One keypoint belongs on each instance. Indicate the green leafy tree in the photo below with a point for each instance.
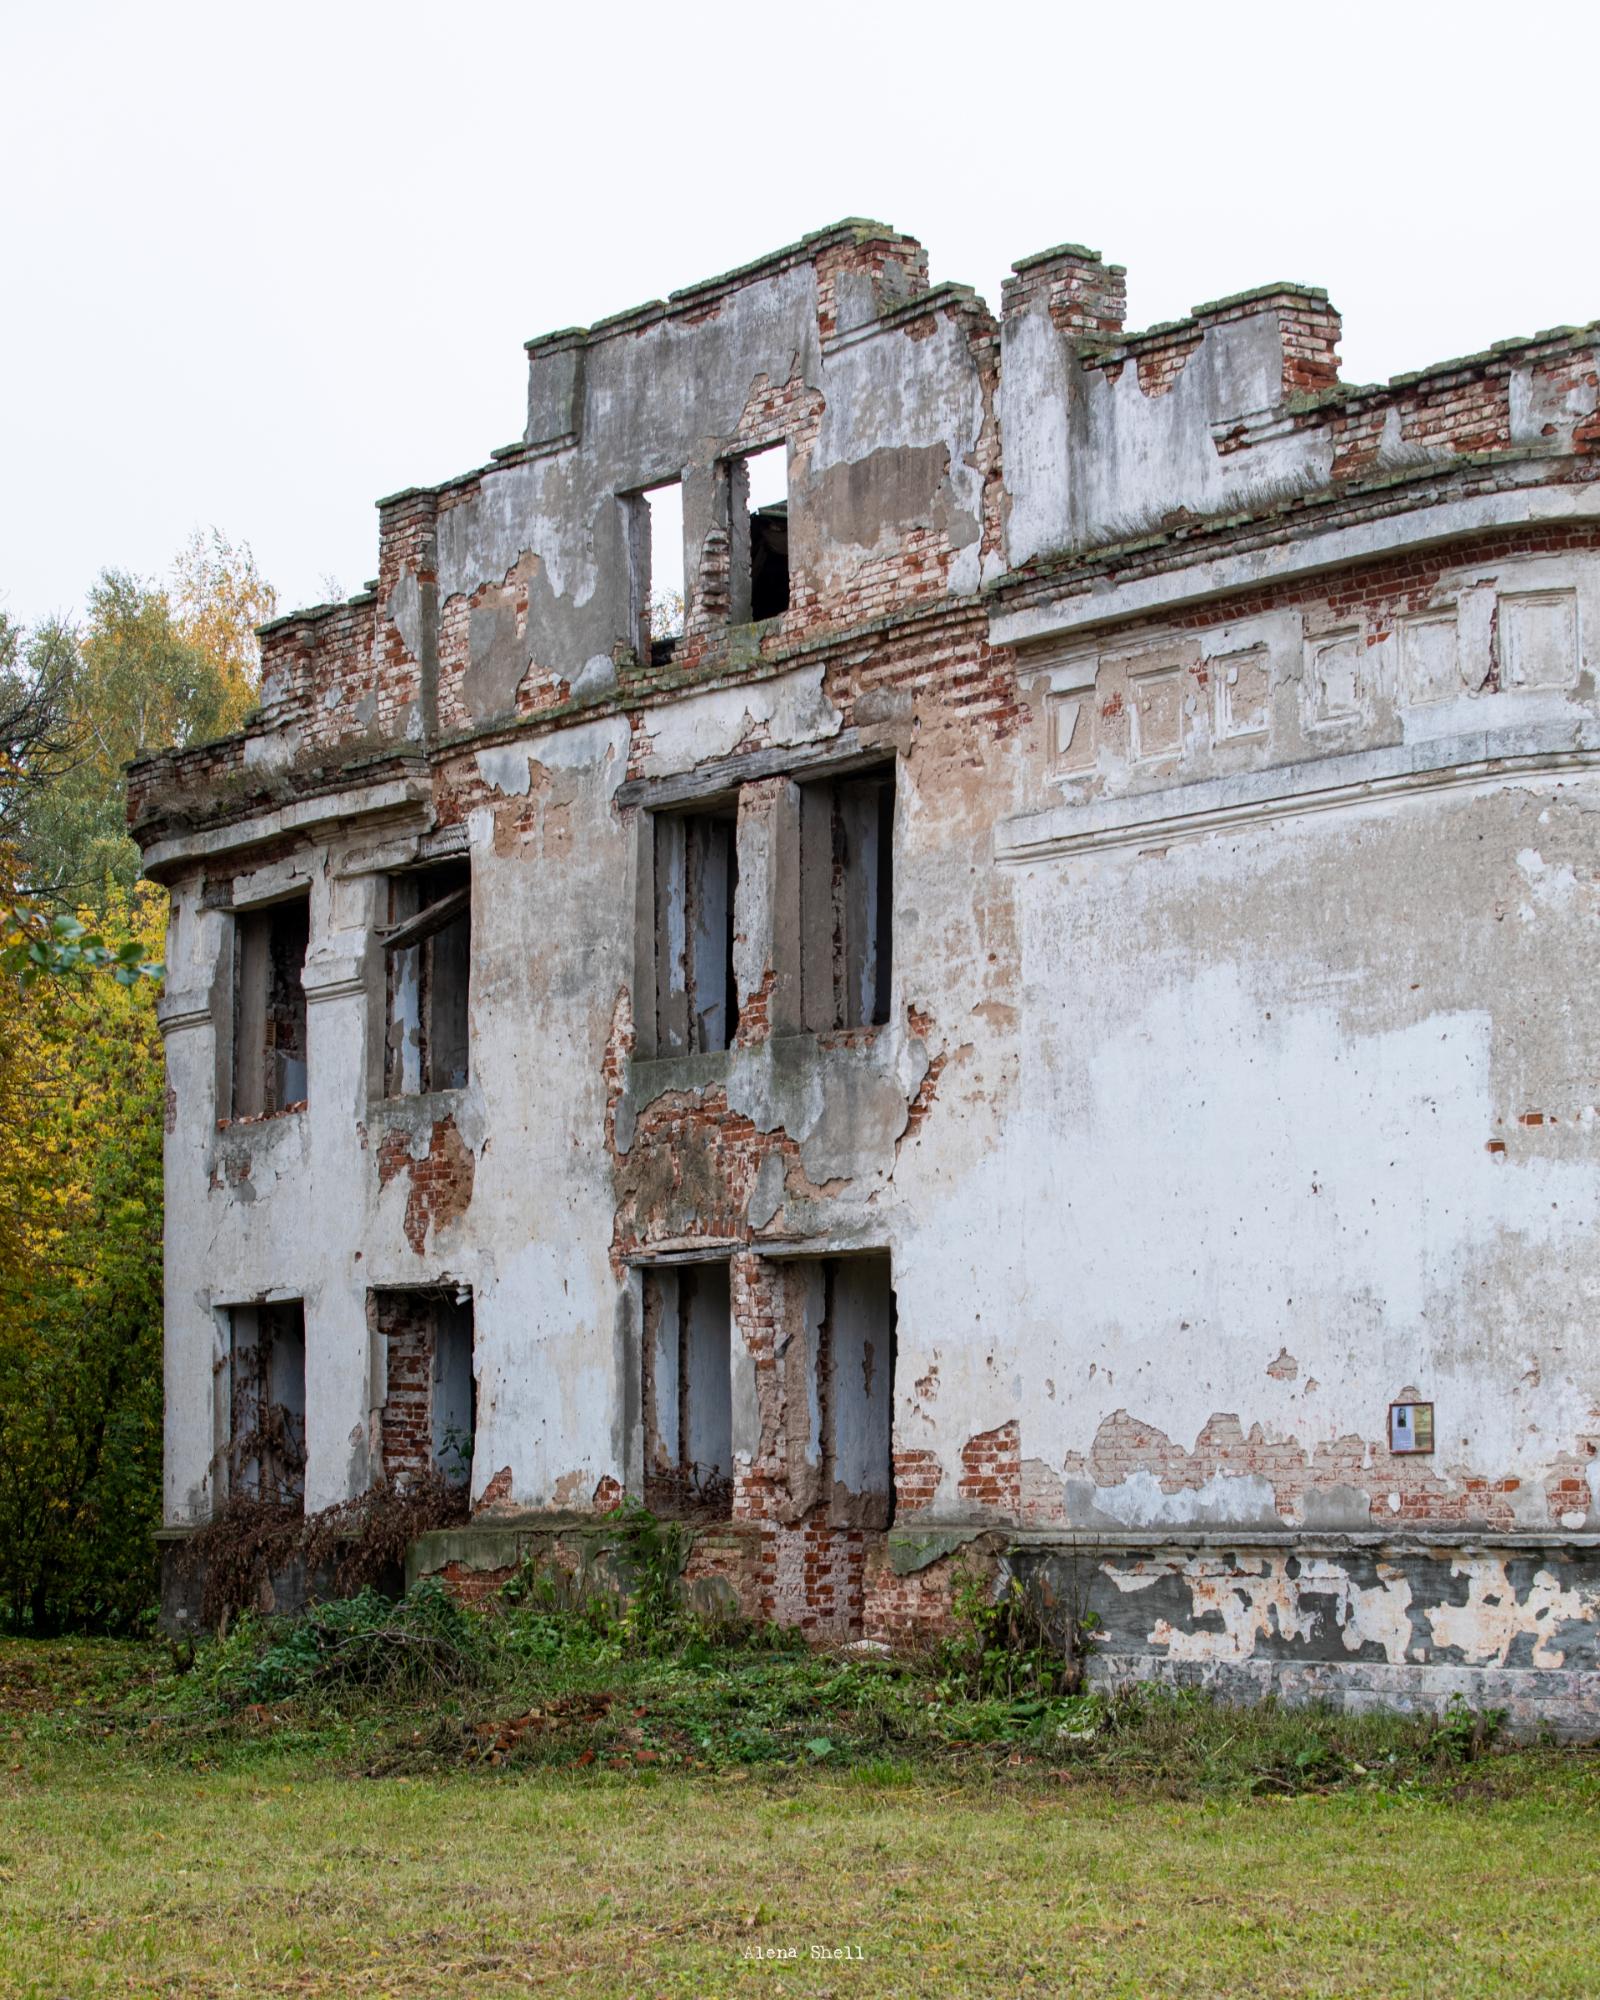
(36, 675)
(137, 685)
(149, 669)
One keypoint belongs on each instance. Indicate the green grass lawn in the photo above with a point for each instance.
(714, 1826)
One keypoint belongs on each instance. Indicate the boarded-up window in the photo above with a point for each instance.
(269, 1008)
(267, 1402)
(430, 1387)
(429, 949)
(697, 876)
(846, 901)
(688, 1394)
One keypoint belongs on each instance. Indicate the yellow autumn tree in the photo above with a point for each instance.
(80, 1294)
(218, 598)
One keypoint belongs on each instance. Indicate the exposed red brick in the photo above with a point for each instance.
(441, 1182)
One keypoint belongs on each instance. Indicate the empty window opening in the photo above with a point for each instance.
(655, 553)
(758, 534)
(846, 901)
(429, 952)
(430, 1403)
(267, 1403)
(697, 879)
(839, 1387)
(688, 1389)
(269, 1008)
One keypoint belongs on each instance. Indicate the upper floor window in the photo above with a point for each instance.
(269, 1008)
(697, 877)
(655, 556)
(846, 900)
(758, 535)
(429, 950)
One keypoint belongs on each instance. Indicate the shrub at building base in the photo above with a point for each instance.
(239, 1560)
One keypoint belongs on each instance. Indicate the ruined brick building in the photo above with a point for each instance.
(1054, 1007)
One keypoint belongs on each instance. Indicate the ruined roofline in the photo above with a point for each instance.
(1500, 356)
(311, 614)
(693, 299)
(1060, 252)
(247, 789)
(944, 297)
(1280, 292)
(1084, 296)
(1288, 294)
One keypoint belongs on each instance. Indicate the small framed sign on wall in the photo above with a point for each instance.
(1411, 1427)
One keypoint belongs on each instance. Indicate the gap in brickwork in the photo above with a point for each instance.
(767, 498)
(664, 584)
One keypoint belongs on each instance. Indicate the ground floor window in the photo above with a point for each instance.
(688, 1393)
(267, 1402)
(430, 1389)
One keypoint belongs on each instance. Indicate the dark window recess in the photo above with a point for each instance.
(267, 1403)
(841, 1311)
(430, 1404)
(429, 949)
(769, 561)
(688, 1392)
(758, 535)
(269, 1008)
(655, 561)
(846, 901)
(697, 877)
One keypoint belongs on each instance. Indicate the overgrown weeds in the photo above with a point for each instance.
(423, 1645)
(543, 1675)
(1002, 1646)
(611, 1665)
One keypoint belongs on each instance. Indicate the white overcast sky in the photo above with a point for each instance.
(264, 264)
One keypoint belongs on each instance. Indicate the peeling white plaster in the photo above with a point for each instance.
(1485, 1628)
(788, 711)
(504, 767)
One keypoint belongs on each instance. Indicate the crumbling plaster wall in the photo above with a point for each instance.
(1299, 1056)
(1264, 1093)
(272, 1207)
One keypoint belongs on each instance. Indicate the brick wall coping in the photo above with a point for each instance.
(1080, 252)
(694, 298)
(1216, 312)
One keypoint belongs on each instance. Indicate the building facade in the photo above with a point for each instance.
(1042, 1008)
